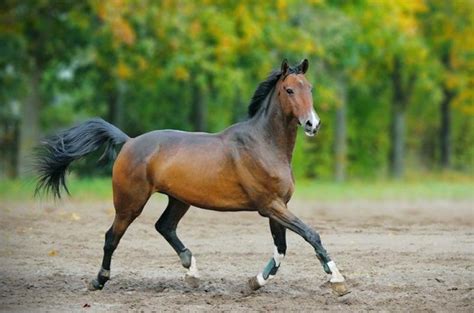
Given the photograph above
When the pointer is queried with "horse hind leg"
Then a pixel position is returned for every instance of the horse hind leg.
(166, 226)
(128, 206)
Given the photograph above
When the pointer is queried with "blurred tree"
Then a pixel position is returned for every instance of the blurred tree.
(41, 35)
(448, 27)
(193, 65)
(335, 36)
(394, 49)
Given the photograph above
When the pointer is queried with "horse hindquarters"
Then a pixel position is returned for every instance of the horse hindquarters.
(131, 193)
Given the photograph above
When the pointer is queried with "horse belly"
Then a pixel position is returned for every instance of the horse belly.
(201, 180)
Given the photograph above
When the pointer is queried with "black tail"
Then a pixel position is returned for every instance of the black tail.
(56, 153)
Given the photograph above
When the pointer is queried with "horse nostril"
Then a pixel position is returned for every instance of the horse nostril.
(309, 124)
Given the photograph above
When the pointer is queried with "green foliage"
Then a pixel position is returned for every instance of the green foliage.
(433, 188)
(144, 65)
(455, 187)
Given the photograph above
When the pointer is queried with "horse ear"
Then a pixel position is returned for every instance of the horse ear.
(284, 66)
(304, 66)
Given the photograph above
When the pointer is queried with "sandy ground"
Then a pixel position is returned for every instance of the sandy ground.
(397, 256)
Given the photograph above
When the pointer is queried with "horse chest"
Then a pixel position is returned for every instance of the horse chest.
(269, 181)
(283, 184)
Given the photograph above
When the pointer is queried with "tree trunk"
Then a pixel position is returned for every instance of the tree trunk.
(9, 139)
(116, 104)
(199, 110)
(340, 141)
(400, 99)
(29, 125)
(12, 170)
(445, 116)
(445, 129)
(397, 139)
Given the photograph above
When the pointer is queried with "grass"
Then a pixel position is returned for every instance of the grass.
(386, 190)
(88, 188)
(431, 187)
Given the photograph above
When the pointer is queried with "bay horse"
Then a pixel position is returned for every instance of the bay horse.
(246, 167)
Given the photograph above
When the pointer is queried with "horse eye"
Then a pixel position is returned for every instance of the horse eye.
(289, 91)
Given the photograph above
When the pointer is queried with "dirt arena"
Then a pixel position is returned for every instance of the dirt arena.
(396, 256)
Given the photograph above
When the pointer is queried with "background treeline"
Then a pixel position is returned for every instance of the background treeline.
(393, 79)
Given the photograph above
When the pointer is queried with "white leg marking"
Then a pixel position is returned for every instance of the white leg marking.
(193, 270)
(336, 276)
(278, 257)
(261, 281)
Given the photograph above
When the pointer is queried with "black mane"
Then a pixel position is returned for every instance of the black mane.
(264, 88)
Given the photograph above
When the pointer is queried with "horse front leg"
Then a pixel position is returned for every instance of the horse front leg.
(279, 251)
(280, 213)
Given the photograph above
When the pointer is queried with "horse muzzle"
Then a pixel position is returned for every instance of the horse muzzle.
(310, 123)
(311, 127)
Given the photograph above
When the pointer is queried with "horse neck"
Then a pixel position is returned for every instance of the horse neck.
(276, 128)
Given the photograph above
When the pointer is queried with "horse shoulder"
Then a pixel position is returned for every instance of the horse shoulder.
(262, 175)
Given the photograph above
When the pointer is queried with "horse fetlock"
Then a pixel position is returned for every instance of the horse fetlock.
(104, 274)
(271, 269)
(95, 285)
(98, 283)
(323, 258)
(326, 268)
(186, 256)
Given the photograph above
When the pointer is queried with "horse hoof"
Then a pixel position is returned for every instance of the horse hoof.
(94, 285)
(253, 283)
(340, 289)
(192, 281)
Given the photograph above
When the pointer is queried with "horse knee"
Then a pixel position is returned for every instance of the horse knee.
(186, 257)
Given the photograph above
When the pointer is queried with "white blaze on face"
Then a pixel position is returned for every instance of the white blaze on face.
(315, 118)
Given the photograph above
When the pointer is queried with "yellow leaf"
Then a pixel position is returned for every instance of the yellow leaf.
(53, 253)
(181, 73)
(123, 70)
(123, 31)
(142, 63)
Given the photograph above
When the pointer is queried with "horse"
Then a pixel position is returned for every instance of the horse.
(246, 167)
